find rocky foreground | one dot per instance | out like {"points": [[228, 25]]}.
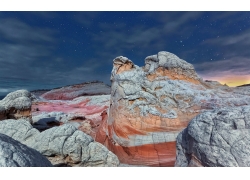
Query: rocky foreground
{"points": [[216, 138], [161, 114], [15, 154], [59, 136], [62, 145]]}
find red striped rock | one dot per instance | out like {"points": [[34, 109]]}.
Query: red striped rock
{"points": [[84, 112], [79, 104], [150, 105]]}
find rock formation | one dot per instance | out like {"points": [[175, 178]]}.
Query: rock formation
{"points": [[62, 145], [139, 122], [74, 91], [216, 138], [16, 105], [84, 112], [15, 154], [80, 105], [149, 106]]}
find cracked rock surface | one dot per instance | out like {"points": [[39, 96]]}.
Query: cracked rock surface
{"points": [[62, 145], [217, 138], [15, 154]]}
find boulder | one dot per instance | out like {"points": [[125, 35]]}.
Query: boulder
{"points": [[150, 105], [15, 154], [66, 143], [218, 138], [16, 105]]}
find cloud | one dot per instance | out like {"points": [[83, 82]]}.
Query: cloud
{"points": [[238, 39], [23, 47], [15, 30], [32, 52], [142, 39], [179, 20], [28, 59], [236, 65], [174, 16]]}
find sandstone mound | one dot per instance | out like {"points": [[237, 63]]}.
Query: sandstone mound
{"points": [[149, 106], [15, 154], [217, 138], [62, 145], [74, 91], [168, 64], [16, 105]]}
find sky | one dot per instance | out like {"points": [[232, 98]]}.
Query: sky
{"points": [[48, 49]]}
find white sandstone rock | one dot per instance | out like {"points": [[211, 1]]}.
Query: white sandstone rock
{"points": [[64, 141], [217, 138]]}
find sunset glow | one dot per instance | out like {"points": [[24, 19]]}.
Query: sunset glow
{"points": [[231, 80]]}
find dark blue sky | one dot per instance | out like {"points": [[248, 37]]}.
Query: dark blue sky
{"points": [[41, 50]]}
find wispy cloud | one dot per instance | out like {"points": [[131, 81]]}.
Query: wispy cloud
{"points": [[22, 47], [15, 30], [237, 39], [72, 47], [27, 52], [140, 38]]}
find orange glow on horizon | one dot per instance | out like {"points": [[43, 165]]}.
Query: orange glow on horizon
{"points": [[231, 80]]}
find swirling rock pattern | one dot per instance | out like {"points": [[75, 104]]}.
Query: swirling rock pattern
{"points": [[150, 105]]}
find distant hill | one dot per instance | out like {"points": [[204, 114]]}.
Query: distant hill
{"points": [[69, 92], [39, 92], [72, 91], [244, 85], [84, 83], [103, 90], [80, 84]]}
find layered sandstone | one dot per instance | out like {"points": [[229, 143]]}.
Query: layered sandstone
{"points": [[16, 105], [150, 105], [84, 112]]}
